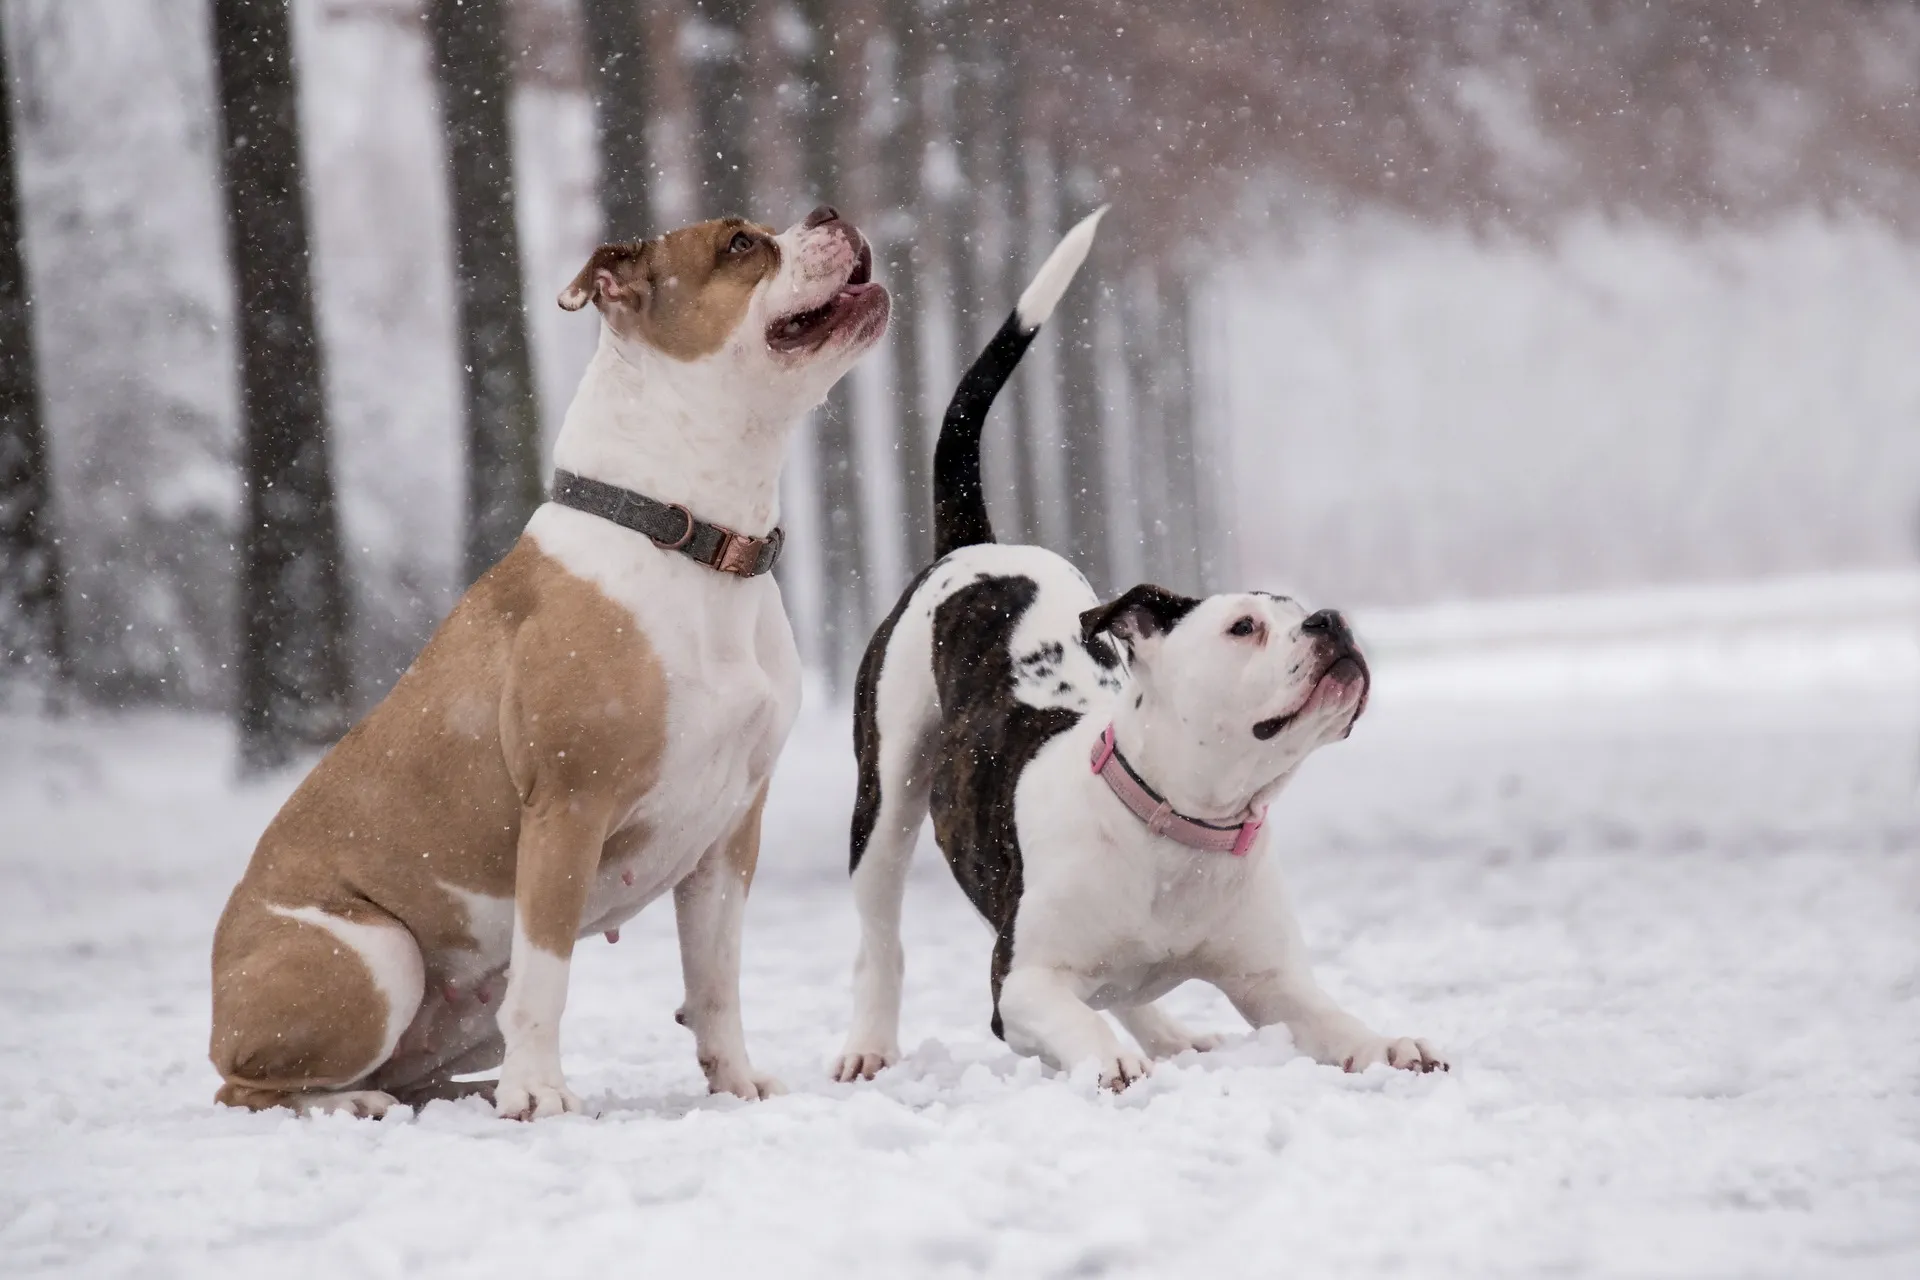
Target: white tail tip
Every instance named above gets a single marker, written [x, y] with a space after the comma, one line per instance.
[1057, 272]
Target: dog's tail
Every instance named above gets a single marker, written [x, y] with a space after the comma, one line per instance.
[959, 505]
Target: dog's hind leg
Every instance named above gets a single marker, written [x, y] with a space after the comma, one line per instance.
[308, 1003]
[1160, 1033]
[895, 716]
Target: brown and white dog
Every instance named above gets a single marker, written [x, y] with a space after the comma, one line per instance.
[593, 725]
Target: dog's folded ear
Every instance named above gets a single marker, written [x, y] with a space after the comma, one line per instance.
[615, 273]
[1137, 614]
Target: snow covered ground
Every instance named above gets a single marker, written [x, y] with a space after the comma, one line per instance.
[1668, 926]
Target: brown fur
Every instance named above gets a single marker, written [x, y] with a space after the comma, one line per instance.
[501, 763]
[683, 293]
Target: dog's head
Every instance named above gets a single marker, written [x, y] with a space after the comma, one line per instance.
[1230, 693]
[791, 310]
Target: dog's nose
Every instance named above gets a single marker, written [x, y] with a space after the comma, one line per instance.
[1330, 624]
[821, 217]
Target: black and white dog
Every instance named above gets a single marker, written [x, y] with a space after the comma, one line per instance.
[1097, 775]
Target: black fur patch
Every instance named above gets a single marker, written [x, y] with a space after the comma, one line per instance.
[987, 739]
[866, 726]
[1144, 610]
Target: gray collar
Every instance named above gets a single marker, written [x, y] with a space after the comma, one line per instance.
[671, 526]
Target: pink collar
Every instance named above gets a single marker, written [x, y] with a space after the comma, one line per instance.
[1147, 805]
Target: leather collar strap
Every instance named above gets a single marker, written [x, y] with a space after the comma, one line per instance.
[1151, 808]
[671, 526]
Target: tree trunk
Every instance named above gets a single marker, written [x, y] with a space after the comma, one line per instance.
[995, 115]
[293, 664]
[905, 260]
[1082, 435]
[1163, 560]
[1043, 452]
[829, 120]
[1192, 535]
[503, 413]
[32, 633]
[620, 81]
[718, 43]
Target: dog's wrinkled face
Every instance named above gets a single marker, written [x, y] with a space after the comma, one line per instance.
[801, 304]
[1249, 683]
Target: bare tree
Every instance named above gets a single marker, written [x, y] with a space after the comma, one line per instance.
[1196, 534]
[1140, 303]
[1007, 249]
[717, 45]
[293, 664]
[831, 123]
[956, 126]
[1081, 426]
[32, 631]
[903, 117]
[1162, 445]
[621, 83]
[503, 412]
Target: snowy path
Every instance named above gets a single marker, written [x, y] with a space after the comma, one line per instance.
[1673, 946]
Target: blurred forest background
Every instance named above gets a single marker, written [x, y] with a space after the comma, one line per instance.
[1399, 301]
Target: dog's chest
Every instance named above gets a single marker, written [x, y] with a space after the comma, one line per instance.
[1128, 912]
[728, 713]
[1149, 922]
[731, 676]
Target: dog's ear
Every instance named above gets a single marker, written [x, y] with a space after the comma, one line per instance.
[616, 273]
[1140, 613]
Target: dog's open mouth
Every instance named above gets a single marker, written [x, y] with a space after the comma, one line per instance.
[855, 304]
[1335, 683]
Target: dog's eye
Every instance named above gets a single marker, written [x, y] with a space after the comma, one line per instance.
[741, 243]
[1242, 627]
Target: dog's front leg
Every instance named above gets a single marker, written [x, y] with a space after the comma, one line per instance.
[558, 851]
[1287, 995]
[1322, 1029]
[708, 906]
[1042, 1015]
[1264, 970]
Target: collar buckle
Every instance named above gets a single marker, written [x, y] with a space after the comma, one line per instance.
[737, 553]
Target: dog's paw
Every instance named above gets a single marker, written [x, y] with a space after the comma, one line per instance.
[519, 1097]
[1123, 1069]
[1198, 1041]
[857, 1064]
[1403, 1055]
[742, 1081]
[1161, 1034]
[368, 1104]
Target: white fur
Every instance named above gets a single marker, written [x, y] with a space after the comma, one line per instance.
[489, 925]
[1043, 294]
[708, 905]
[531, 1084]
[1112, 916]
[392, 959]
